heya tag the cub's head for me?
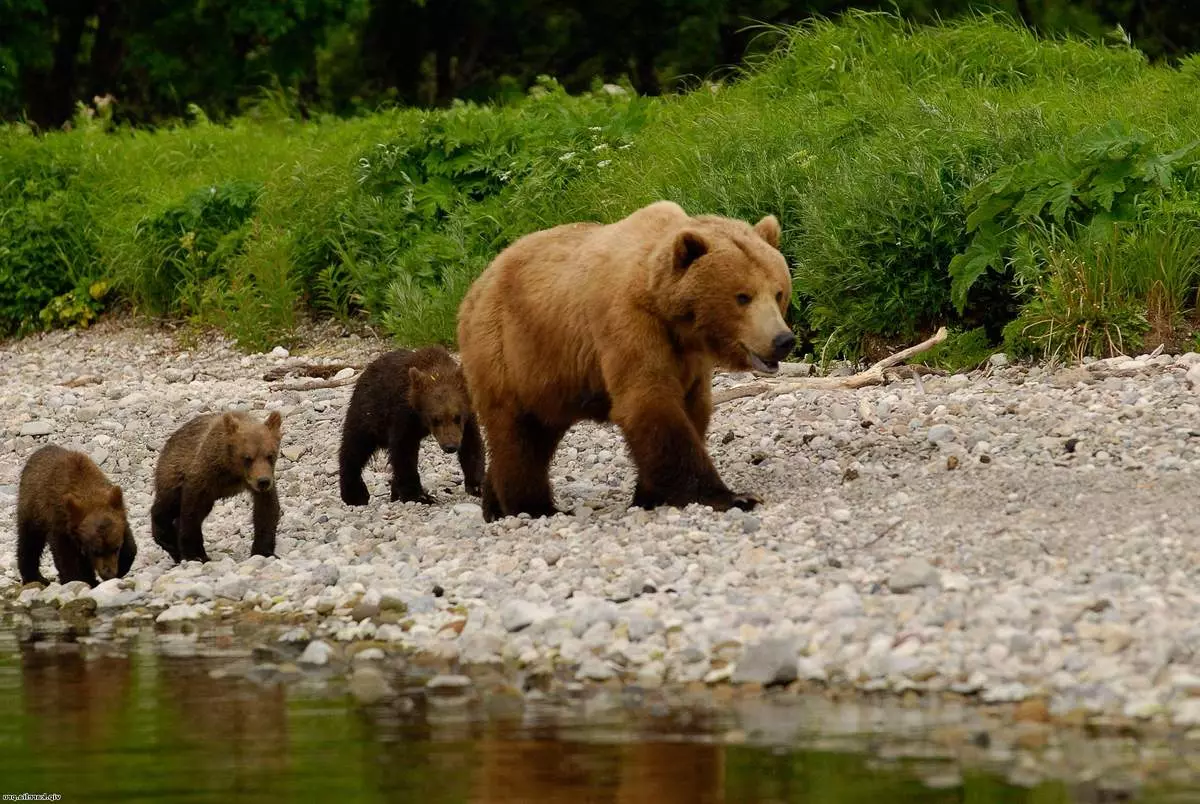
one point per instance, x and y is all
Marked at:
(440, 398)
(724, 287)
(99, 526)
(253, 448)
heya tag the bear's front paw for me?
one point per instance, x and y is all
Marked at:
(746, 501)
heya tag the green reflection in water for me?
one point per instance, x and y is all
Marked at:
(159, 728)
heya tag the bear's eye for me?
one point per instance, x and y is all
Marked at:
(457, 419)
(246, 459)
(271, 459)
(778, 296)
(743, 298)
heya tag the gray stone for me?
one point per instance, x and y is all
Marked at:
(368, 684)
(912, 573)
(40, 427)
(769, 662)
(940, 434)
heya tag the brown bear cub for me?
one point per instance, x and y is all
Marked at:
(65, 499)
(214, 456)
(624, 323)
(400, 398)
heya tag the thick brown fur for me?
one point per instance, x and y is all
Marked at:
(64, 499)
(214, 456)
(620, 323)
(402, 397)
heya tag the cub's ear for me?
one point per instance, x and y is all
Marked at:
(416, 378)
(116, 498)
(768, 229)
(275, 422)
(689, 247)
(231, 423)
(74, 509)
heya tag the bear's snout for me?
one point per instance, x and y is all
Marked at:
(262, 483)
(782, 345)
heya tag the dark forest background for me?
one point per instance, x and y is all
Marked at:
(341, 56)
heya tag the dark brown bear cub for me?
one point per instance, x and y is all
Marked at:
(400, 398)
(214, 456)
(65, 499)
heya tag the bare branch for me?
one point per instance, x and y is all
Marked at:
(877, 374)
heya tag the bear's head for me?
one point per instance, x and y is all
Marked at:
(724, 288)
(99, 527)
(253, 448)
(440, 399)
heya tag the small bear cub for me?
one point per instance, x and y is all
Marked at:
(65, 499)
(212, 457)
(400, 398)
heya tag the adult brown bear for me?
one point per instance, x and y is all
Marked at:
(624, 323)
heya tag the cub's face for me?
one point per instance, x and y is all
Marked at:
(730, 290)
(253, 449)
(100, 530)
(443, 405)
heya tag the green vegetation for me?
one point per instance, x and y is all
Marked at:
(1040, 192)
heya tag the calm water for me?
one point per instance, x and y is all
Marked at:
(154, 727)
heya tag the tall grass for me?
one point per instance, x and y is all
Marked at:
(961, 173)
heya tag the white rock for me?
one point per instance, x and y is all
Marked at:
(182, 611)
(518, 614)
(317, 653)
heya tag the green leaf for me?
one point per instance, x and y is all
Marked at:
(988, 210)
(966, 268)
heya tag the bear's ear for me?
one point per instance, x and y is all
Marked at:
(74, 509)
(768, 229)
(416, 378)
(231, 423)
(116, 498)
(275, 422)
(689, 247)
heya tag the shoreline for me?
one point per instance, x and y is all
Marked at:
(1015, 534)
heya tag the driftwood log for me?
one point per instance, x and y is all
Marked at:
(787, 381)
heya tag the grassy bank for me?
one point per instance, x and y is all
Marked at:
(1041, 193)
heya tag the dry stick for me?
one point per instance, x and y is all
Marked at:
(314, 385)
(872, 376)
(320, 370)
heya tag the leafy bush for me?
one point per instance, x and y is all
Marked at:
(967, 174)
(47, 242)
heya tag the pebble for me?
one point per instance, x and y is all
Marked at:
(37, 428)
(767, 662)
(912, 573)
(317, 653)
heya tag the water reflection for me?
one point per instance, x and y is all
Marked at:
(94, 724)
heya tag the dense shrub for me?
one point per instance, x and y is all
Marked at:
(967, 174)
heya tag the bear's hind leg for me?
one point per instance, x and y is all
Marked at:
(164, 529)
(519, 472)
(357, 448)
(31, 542)
(195, 505)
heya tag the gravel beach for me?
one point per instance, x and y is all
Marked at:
(1013, 533)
